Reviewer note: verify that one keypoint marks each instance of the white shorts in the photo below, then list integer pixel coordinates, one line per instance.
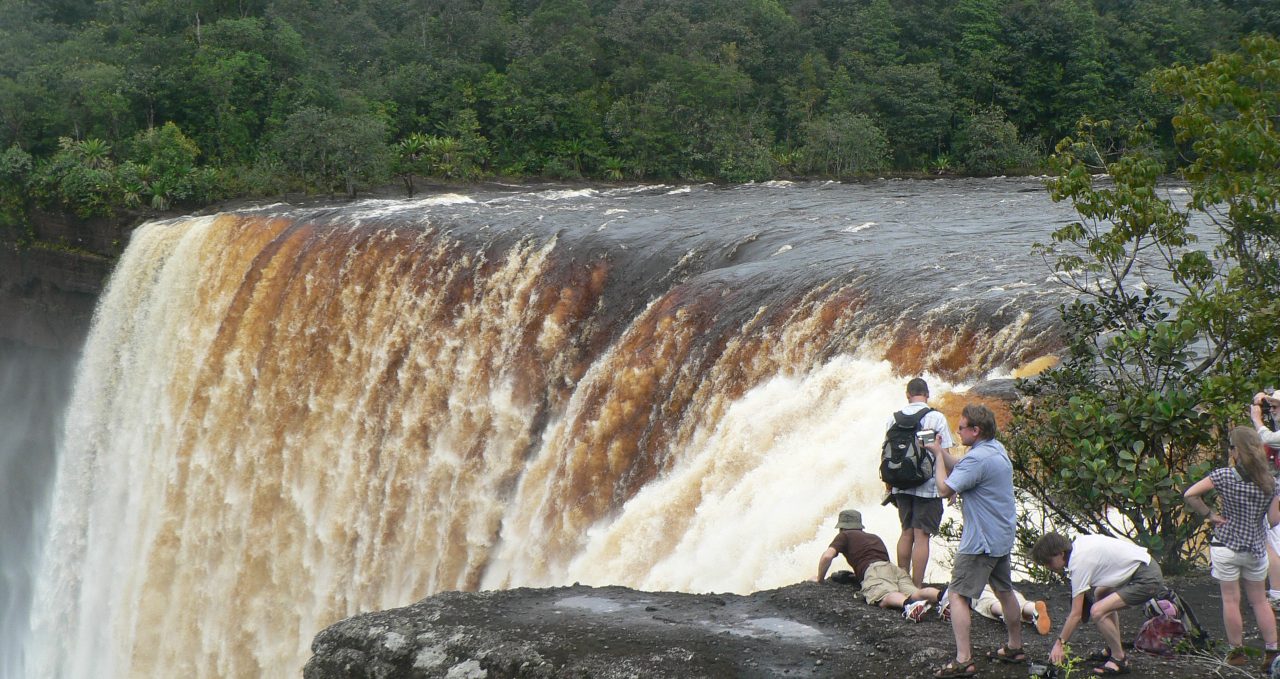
(1230, 565)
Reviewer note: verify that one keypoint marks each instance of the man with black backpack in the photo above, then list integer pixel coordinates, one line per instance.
(906, 467)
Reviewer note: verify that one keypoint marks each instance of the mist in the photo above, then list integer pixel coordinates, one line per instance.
(34, 385)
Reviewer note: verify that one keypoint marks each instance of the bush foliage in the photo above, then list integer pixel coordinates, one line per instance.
(1169, 335)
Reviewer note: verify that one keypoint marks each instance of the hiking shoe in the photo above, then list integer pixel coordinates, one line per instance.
(1040, 619)
(915, 611)
(1238, 657)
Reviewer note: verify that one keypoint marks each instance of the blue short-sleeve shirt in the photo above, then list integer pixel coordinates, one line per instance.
(984, 480)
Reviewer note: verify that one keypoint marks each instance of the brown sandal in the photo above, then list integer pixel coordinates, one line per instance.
(1008, 655)
(955, 670)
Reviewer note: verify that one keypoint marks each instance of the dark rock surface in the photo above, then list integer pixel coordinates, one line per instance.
(803, 630)
(47, 296)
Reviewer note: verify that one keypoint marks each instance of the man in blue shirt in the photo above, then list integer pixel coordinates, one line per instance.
(983, 479)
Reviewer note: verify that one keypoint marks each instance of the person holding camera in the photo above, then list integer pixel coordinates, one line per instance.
(1262, 412)
(919, 508)
(983, 479)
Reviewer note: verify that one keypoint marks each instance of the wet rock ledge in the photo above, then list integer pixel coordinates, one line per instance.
(802, 630)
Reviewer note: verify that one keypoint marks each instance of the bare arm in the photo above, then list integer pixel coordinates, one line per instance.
(1194, 497)
(824, 563)
(1057, 653)
(1273, 513)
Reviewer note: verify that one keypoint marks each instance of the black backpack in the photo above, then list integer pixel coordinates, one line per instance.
(904, 462)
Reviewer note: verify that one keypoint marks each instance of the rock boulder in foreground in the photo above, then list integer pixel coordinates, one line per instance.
(803, 630)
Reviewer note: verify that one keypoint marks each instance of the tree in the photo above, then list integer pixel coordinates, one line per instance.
(1166, 340)
(330, 150)
(843, 144)
(15, 172)
(988, 144)
(161, 163)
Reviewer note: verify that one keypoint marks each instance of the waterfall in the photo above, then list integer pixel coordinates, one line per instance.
(284, 419)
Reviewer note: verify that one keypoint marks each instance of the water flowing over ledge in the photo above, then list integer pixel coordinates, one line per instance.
(286, 417)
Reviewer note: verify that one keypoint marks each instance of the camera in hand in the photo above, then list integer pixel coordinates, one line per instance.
(926, 435)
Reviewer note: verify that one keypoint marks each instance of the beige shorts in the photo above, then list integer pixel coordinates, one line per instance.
(882, 579)
(982, 605)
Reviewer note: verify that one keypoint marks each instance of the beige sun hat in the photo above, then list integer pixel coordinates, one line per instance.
(850, 519)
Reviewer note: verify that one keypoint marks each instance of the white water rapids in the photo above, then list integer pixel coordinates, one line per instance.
(281, 421)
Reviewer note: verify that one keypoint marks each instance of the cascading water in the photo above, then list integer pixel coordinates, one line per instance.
(285, 417)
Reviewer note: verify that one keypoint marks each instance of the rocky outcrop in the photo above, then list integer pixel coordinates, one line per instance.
(803, 630)
(47, 294)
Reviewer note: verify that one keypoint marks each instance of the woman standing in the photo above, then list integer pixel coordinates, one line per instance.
(1238, 548)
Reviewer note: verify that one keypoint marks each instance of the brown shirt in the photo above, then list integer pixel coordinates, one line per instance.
(860, 549)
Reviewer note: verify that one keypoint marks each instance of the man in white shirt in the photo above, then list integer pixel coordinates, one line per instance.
(919, 508)
(1119, 573)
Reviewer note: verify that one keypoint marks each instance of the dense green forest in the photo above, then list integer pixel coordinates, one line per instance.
(111, 103)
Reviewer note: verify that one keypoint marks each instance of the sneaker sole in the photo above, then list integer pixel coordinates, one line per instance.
(1043, 624)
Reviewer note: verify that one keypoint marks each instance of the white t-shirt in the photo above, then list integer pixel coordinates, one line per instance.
(936, 421)
(1102, 561)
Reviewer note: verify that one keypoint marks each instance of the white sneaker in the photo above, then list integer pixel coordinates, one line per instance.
(915, 611)
(944, 606)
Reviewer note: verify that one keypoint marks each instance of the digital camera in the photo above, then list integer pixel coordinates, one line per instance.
(1036, 669)
(926, 435)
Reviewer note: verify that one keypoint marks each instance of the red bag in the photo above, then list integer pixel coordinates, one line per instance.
(1160, 635)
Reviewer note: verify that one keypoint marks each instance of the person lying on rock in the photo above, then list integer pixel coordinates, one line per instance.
(1034, 613)
(1116, 572)
(884, 584)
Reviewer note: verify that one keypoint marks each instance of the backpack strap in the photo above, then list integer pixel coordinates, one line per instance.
(911, 421)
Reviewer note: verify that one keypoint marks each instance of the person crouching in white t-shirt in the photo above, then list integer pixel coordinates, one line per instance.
(1119, 573)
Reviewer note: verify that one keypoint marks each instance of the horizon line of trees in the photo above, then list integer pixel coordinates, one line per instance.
(123, 103)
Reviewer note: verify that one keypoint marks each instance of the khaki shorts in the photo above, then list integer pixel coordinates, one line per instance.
(983, 604)
(1145, 583)
(882, 579)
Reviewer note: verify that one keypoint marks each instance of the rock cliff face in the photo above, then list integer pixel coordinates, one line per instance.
(803, 630)
(47, 296)
(48, 289)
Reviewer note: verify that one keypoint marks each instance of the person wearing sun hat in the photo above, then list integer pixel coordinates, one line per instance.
(884, 584)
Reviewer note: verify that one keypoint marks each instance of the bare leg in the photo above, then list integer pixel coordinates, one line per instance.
(904, 550)
(1105, 617)
(1232, 621)
(1012, 623)
(893, 600)
(919, 555)
(898, 599)
(960, 619)
(1262, 612)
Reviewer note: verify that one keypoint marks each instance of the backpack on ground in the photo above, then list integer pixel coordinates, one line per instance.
(1171, 626)
(904, 461)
